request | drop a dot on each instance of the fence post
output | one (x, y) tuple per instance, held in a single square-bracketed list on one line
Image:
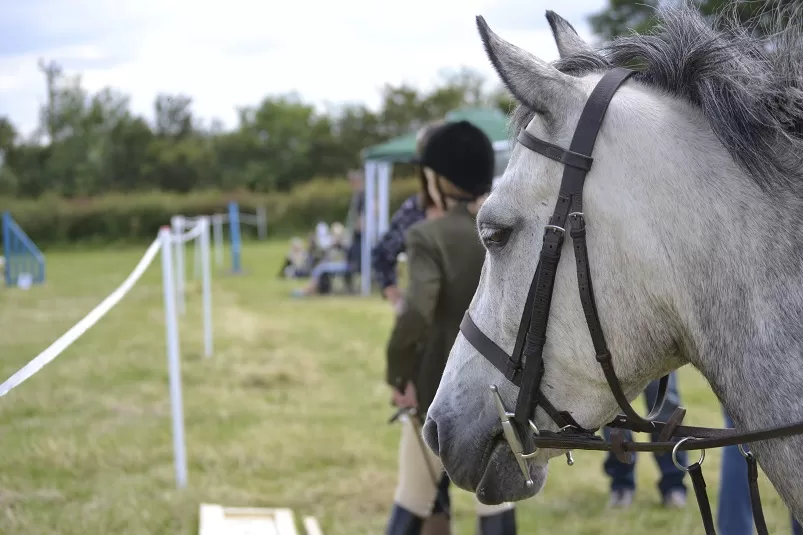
[(173, 358), (206, 275), (262, 222), (196, 260), (177, 222), (217, 228), (234, 232)]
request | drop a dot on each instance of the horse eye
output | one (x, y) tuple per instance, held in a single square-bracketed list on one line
[(494, 236)]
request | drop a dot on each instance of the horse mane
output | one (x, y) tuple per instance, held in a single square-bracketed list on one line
[(748, 86)]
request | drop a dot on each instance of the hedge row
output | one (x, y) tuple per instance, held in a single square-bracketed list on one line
[(137, 217)]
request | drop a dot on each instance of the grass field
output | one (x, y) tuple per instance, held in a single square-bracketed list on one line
[(290, 412)]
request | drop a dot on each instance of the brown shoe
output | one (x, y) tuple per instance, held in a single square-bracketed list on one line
[(437, 524)]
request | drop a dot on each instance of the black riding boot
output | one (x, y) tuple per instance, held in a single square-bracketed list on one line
[(403, 522), (503, 523), (440, 521)]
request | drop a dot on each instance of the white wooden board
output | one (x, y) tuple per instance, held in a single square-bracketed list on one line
[(219, 520), (311, 526)]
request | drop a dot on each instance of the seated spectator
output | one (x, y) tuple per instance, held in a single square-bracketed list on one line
[(297, 263), (334, 262)]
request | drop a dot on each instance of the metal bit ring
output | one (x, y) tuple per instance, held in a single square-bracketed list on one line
[(675, 456)]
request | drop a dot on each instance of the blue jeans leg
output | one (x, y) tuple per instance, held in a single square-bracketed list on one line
[(671, 476), (623, 475), (735, 515)]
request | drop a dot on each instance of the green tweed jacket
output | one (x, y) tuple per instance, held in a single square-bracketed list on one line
[(445, 258)]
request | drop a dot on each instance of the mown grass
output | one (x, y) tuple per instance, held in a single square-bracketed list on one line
[(290, 412)]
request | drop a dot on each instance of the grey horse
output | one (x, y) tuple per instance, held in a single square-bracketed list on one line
[(694, 207)]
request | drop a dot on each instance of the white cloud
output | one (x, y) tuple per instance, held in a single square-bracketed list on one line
[(233, 53)]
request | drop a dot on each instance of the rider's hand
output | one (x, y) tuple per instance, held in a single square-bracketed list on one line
[(392, 294), (406, 399)]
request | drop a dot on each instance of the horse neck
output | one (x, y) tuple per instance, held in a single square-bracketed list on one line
[(743, 320)]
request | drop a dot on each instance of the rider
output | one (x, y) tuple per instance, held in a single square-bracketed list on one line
[(445, 258), (384, 258)]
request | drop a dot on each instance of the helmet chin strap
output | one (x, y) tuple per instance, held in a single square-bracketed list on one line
[(434, 188), (436, 193)]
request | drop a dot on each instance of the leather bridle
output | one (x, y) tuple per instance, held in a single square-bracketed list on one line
[(525, 368)]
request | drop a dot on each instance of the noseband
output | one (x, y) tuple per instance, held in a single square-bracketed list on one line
[(525, 368)]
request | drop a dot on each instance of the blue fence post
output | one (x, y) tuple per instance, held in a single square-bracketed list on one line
[(21, 254), (234, 230)]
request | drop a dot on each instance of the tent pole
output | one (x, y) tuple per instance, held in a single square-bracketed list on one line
[(369, 226), (385, 172)]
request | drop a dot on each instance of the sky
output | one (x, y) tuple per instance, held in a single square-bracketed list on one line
[(231, 53)]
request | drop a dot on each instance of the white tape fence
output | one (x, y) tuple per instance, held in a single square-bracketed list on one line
[(195, 230), (169, 242)]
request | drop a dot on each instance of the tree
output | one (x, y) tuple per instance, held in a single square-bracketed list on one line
[(91, 143), (53, 73), (62, 118), (502, 100), (173, 116), (9, 182), (621, 17)]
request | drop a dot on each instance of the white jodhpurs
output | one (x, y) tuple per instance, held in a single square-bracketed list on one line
[(416, 490)]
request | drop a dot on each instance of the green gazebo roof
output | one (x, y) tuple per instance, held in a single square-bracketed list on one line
[(402, 149)]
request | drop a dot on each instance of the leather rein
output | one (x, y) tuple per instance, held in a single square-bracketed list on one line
[(525, 368)]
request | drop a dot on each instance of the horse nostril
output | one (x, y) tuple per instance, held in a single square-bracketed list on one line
[(430, 434)]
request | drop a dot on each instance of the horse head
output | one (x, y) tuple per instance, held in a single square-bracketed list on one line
[(698, 151)]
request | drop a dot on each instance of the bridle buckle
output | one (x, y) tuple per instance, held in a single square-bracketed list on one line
[(512, 436)]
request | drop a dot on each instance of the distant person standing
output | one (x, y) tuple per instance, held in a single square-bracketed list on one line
[(384, 259), (356, 217), (354, 223), (445, 262)]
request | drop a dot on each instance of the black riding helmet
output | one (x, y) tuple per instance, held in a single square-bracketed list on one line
[(461, 153)]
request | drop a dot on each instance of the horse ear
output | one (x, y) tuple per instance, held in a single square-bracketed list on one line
[(566, 37), (533, 82)]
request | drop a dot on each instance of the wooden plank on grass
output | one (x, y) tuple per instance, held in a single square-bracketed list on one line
[(219, 520), (285, 523), (311, 526)]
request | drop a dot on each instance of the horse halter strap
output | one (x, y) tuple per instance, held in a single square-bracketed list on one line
[(525, 367)]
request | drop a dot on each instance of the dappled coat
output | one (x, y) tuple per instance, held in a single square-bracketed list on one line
[(445, 259)]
